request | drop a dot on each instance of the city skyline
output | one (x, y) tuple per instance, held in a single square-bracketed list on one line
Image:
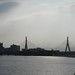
[(17, 51), (26, 44), (47, 23)]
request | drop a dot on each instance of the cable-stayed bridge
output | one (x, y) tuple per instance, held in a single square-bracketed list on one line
[(29, 43), (64, 46)]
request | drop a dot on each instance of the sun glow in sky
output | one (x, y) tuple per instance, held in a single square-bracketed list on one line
[(47, 23)]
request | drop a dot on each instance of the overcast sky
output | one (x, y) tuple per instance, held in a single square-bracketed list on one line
[(47, 23)]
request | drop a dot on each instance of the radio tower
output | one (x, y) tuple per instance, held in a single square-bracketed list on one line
[(67, 45), (26, 47)]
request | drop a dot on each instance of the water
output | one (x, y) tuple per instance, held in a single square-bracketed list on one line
[(36, 65)]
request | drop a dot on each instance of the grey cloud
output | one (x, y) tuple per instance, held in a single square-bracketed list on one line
[(2, 0), (7, 6), (73, 9)]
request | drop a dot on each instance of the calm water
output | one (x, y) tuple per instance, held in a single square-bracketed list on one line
[(41, 65)]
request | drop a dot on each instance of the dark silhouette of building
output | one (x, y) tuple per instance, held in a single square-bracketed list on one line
[(14, 49), (67, 45), (1, 48), (1, 45)]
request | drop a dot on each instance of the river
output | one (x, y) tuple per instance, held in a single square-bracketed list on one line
[(36, 65)]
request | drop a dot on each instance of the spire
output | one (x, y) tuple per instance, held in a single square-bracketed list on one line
[(26, 47), (67, 45)]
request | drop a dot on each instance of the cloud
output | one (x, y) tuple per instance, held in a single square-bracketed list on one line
[(3, 0), (4, 7)]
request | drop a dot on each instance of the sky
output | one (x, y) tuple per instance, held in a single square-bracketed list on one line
[(46, 23)]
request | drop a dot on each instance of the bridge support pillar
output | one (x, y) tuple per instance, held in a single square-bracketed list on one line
[(67, 45)]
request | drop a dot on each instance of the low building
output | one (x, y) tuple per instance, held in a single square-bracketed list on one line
[(14, 49)]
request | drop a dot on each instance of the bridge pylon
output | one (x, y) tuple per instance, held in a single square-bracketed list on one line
[(67, 45), (26, 46)]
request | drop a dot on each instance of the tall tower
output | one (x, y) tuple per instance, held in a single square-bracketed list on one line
[(67, 45), (26, 47)]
